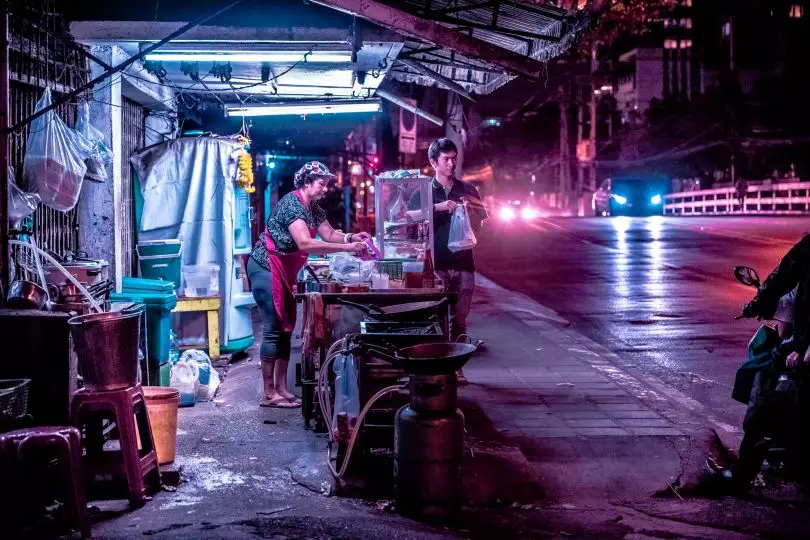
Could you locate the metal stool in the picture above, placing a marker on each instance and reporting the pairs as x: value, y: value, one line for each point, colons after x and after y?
x: 16, y: 448
x: 136, y: 456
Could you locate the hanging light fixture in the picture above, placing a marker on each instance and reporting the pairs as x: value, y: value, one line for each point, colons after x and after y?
x: 324, y: 57
x: 304, y: 108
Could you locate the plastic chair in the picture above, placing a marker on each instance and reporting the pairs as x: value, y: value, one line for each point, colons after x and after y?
x: 127, y: 409
x: 18, y: 449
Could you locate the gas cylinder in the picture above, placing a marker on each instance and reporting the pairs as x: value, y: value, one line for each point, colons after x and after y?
x: 428, y: 449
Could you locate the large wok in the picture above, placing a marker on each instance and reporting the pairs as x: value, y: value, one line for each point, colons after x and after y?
x: 399, y: 312
x: 427, y: 358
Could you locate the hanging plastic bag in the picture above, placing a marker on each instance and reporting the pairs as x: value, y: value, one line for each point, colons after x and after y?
x: 101, y: 157
x: 398, y: 210
x: 20, y: 204
x: 347, y: 391
x: 461, y: 232
x: 54, y: 164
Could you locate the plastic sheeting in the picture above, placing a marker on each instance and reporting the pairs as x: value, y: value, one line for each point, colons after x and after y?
x: 188, y: 194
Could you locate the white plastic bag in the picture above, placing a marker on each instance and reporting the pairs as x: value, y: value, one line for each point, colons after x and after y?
x: 185, y: 378
x: 54, y: 164
x: 101, y: 157
x: 20, y: 204
x: 207, y: 376
x: 461, y: 232
x: 350, y: 269
x: 347, y: 390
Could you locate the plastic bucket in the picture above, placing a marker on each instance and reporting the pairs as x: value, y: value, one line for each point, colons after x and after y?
x: 107, y: 348
x: 161, y: 407
x: 160, y: 259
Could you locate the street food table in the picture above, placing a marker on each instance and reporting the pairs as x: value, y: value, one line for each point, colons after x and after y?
x: 333, y: 316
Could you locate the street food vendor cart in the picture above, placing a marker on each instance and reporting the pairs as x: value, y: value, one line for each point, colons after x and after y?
x: 388, y: 307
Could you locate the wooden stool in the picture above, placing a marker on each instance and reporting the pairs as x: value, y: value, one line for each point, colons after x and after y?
x: 136, y: 461
x: 211, y: 305
x: 16, y: 448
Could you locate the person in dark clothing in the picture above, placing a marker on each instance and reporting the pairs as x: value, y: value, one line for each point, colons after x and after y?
x: 793, y: 272
x: 456, y: 269
x: 757, y: 384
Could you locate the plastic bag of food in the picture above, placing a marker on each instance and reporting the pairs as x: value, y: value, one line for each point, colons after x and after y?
x: 461, y: 232
x: 54, y: 164
x: 350, y: 269
x: 20, y: 204
x: 101, y: 157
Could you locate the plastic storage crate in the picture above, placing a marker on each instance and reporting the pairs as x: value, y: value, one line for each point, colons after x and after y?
x: 13, y: 398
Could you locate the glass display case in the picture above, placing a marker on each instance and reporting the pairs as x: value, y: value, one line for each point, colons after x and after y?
x: 403, y: 204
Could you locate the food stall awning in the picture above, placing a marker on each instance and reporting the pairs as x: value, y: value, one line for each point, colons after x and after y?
x: 240, y: 64
x: 474, y: 45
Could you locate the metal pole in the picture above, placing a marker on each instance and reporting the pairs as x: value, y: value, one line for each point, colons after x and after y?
x: 396, y: 100
x: 122, y: 66
x: 4, y: 158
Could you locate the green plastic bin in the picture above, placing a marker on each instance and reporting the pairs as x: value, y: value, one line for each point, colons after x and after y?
x: 159, y: 306
x: 160, y: 260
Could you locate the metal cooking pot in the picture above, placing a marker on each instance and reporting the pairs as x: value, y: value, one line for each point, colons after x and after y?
x: 427, y: 358
x: 24, y: 294
x: 323, y: 287
x: 400, y: 312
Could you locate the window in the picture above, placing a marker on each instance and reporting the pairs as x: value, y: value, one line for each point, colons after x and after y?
x: 796, y: 11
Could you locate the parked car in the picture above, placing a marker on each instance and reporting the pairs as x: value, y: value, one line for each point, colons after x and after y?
x: 633, y: 196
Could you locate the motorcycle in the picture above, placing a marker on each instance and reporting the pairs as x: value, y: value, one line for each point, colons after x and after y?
x: 777, y: 397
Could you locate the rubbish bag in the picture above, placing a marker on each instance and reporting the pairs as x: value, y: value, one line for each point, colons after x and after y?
x: 207, y: 375
x: 185, y: 378
x: 350, y: 269
x: 54, y: 164
x: 461, y: 232
x: 101, y: 157
x: 347, y: 390
x: 20, y: 204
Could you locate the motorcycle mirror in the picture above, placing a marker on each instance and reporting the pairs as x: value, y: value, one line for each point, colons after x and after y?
x: 747, y: 276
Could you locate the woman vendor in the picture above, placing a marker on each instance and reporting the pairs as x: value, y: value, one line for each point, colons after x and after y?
x: 273, y: 267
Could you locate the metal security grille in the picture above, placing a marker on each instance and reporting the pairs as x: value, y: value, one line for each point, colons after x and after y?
x: 133, y: 126
x: 42, y: 54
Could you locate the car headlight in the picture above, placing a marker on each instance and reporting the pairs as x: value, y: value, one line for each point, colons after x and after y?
x: 528, y: 213
x: 507, y: 213
x: 655, y: 199
x: 619, y: 199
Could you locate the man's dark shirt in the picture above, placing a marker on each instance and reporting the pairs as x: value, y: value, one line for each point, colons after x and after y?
x: 443, y: 257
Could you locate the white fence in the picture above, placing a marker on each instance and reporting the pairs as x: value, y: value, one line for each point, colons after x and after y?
x: 788, y: 199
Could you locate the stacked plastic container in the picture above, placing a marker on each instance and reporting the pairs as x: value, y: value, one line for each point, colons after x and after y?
x: 160, y: 299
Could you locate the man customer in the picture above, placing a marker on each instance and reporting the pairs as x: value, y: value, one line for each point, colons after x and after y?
x: 455, y: 269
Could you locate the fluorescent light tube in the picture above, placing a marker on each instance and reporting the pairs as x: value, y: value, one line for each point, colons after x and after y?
x: 331, y: 57
x: 303, y: 108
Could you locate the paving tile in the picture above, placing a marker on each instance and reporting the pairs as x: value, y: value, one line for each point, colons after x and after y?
x: 592, y: 423
x: 546, y: 421
x: 539, y: 433
x: 644, y: 422
x: 633, y: 414
x: 654, y: 432
x: 571, y: 415
x: 602, y: 432
x: 632, y: 405
x: 614, y: 400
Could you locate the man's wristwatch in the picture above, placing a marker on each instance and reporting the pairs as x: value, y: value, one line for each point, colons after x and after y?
x: 348, y: 238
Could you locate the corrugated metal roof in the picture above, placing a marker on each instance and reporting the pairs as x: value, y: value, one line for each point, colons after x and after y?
x: 541, y: 31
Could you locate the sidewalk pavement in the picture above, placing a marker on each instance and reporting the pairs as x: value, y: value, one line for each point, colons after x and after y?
x: 563, y: 441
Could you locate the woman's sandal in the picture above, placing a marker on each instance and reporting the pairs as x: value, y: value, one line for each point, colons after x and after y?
x: 279, y: 403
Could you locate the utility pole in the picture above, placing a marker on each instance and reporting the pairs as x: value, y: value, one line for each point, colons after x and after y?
x: 4, y: 157
x: 592, y: 143
x: 565, y: 167
x: 580, y: 137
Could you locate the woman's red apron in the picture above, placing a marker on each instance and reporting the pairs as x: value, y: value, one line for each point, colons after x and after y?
x: 284, y: 270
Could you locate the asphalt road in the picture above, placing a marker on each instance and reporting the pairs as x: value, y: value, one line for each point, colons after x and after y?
x: 657, y: 291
